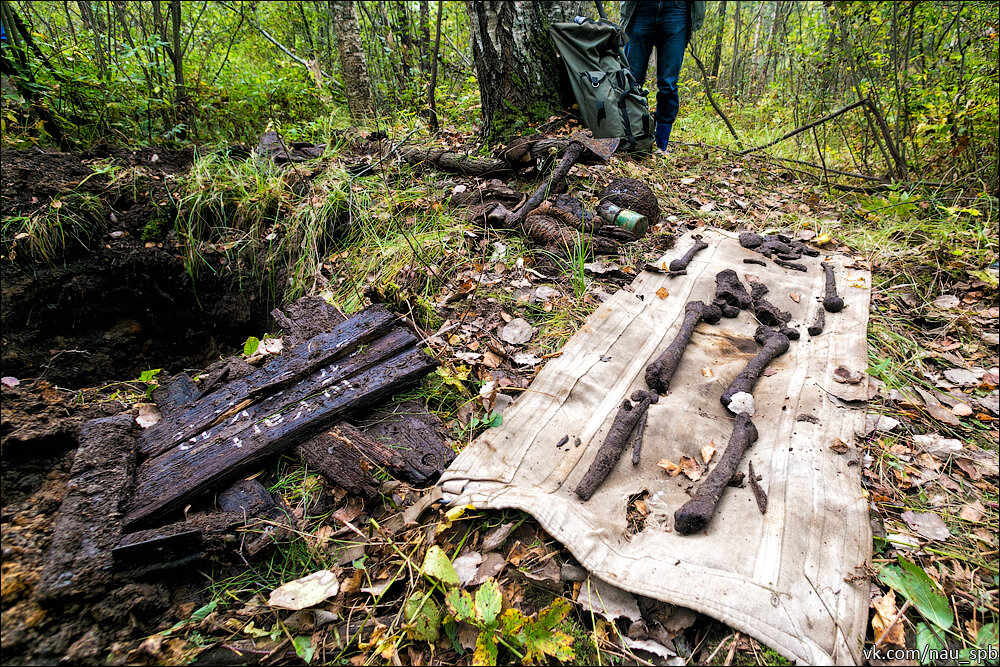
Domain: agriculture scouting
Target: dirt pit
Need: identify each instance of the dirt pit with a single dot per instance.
(98, 313)
(112, 303)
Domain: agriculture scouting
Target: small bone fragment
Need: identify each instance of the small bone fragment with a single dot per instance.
(562, 441)
(831, 302)
(659, 373)
(774, 344)
(615, 442)
(681, 264)
(742, 402)
(758, 492)
(817, 328)
(694, 515)
(758, 262)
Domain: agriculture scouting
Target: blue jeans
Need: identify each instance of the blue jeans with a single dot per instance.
(665, 26)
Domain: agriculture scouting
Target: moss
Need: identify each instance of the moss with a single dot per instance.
(155, 229)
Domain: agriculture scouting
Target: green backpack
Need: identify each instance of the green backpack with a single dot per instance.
(611, 102)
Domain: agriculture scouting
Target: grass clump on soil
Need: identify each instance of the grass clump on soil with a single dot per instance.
(75, 218)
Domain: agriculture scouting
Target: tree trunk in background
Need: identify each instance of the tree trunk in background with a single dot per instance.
(357, 85)
(516, 62)
(425, 36)
(178, 52)
(717, 51)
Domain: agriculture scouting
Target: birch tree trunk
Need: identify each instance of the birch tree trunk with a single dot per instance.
(357, 85)
(516, 64)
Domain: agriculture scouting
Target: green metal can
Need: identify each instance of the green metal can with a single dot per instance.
(636, 223)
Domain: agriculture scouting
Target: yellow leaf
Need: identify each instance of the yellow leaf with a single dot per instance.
(662, 293)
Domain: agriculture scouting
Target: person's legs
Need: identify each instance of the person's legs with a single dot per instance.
(641, 34)
(672, 33)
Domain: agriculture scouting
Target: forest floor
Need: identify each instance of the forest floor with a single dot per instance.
(932, 379)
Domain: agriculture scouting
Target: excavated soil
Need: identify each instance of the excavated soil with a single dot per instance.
(116, 305)
(99, 313)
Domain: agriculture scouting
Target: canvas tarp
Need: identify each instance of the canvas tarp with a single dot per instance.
(789, 578)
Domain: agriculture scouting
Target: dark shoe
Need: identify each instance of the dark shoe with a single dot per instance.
(663, 135)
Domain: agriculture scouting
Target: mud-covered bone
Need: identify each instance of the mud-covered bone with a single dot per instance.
(817, 328)
(730, 294)
(681, 264)
(659, 373)
(765, 311)
(751, 240)
(694, 515)
(802, 248)
(831, 301)
(774, 345)
(794, 266)
(793, 334)
(616, 442)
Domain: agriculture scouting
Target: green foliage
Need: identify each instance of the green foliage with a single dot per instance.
(920, 590)
(148, 379)
(304, 648)
(529, 638)
(250, 346)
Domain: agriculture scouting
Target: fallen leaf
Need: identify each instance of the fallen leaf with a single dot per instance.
(517, 331)
(885, 612)
(672, 468)
(437, 565)
(491, 360)
(961, 410)
(942, 414)
(607, 600)
(876, 422)
(926, 524)
(9, 381)
(846, 376)
(947, 301)
(493, 563)
(148, 415)
(707, 452)
(839, 446)
(306, 592)
(691, 468)
(662, 293)
(526, 359)
(962, 377)
(707, 372)
(795, 296)
(466, 566)
(972, 512)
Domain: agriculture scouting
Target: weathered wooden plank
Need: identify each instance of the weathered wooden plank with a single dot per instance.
(305, 318)
(346, 457)
(232, 421)
(89, 522)
(247, 497)
(298, 362)
(419, 438)
(167, 481)
(199, 534)
(173, 395)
